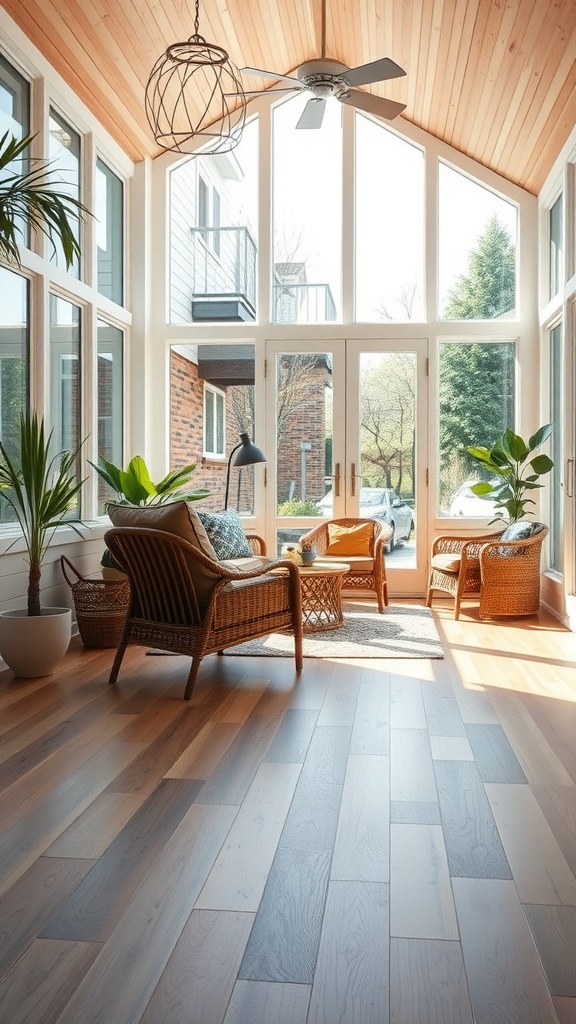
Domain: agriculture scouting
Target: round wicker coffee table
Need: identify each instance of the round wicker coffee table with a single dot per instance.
(321, 588)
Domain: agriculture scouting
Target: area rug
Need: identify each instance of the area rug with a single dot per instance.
(401, 632)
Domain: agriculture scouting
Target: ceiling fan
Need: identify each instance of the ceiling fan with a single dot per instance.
(331, 78)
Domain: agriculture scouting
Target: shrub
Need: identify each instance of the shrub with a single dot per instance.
(297, 507)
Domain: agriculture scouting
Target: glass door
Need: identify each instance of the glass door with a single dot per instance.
(343, 421)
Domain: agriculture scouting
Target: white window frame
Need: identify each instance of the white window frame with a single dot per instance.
(210, 449)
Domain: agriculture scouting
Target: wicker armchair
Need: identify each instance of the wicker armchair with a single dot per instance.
(506, 573)
(366, 572)
(183, 601)
(510, 575)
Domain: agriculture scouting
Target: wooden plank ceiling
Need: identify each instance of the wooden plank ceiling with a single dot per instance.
(496, 79)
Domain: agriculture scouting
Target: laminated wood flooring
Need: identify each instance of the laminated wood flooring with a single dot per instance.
(384, 842)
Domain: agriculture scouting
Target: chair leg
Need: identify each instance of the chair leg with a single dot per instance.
(117, 661)
(192, 676)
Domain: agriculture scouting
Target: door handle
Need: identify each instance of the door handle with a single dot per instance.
(570, 478)
(353, 479)
(336, 479)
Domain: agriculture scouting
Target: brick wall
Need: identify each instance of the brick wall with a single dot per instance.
(187, 438)
(306, 423)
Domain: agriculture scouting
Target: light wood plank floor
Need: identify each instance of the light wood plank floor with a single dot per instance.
(378, 842)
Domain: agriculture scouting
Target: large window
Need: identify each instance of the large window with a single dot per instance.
(556, 454)
(15, 119)
(389, 192)
(477, 403)
(476, 250)
(211, 405)
(110, 232)
(65, 158)
(110, 404)
(556, 246)
(64, 415)
(307, 204)
(213, 239)
(14, 361)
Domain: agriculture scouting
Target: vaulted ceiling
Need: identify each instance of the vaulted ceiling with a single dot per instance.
(496, 79)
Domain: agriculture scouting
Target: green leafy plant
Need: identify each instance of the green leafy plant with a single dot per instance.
(28, 196)
(509, 461)
(134, 485)
(298, 507)
(41, 490)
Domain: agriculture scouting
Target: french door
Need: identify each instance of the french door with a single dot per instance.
(346, 435)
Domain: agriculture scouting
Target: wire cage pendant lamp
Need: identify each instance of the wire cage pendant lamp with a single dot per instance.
(195, 76)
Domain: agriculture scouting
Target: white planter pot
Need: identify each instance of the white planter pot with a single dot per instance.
(32, 645)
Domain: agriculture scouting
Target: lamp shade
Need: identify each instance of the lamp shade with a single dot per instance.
(248, 453)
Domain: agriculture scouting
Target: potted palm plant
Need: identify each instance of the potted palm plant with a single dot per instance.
(40, 488)
(515, 472)
(42, 491)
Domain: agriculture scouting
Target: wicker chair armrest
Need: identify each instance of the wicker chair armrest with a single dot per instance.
(500, 548)
(257, 543)
(449, 544)
(230, 573)
(316, 537)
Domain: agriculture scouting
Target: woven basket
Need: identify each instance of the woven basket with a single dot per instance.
(101, 607)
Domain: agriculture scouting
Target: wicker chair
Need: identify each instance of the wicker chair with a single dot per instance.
(506, 573)
(184, 602)
(366, 572)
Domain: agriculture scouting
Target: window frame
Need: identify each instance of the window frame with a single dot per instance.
(212, 452)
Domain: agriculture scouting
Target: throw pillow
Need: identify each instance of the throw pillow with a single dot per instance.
(225, 533)
(174, 517)
(521, 531)
(350, 540)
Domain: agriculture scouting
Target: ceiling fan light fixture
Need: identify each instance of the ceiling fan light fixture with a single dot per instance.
(185, 72)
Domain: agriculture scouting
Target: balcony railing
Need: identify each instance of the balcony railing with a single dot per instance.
(303, 304)
(224, 274)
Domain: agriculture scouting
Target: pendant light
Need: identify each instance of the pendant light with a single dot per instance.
(189, 74)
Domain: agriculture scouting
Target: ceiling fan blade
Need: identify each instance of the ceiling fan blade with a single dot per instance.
(377, 71)
(271, 74)
(373, 104)
(263, 92)
(313, 114)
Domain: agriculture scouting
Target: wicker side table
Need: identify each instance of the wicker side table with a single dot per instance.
(321, 587)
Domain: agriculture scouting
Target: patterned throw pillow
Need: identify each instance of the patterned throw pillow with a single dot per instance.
(226, 535)
(521, 530)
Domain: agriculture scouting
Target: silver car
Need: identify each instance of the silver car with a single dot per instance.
(380, 503)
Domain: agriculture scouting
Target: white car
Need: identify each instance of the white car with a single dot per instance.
(466, 503)
(380, 503)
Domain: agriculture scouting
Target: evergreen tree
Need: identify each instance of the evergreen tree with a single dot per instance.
(487, 290)
(477, 380)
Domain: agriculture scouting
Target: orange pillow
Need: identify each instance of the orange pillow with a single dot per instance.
(349, 540)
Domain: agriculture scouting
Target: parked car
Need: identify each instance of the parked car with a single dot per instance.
(379, 503)
(466, 503)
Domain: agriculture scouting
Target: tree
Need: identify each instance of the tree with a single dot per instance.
(487, 290)
(387, 429)
(476, 398)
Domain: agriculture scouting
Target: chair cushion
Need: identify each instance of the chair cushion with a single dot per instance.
(446, 563)
(225, 533)
(255, 562)
(175, 517)
(350, 540)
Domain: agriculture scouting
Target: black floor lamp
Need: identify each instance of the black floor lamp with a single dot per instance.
(247, 455)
